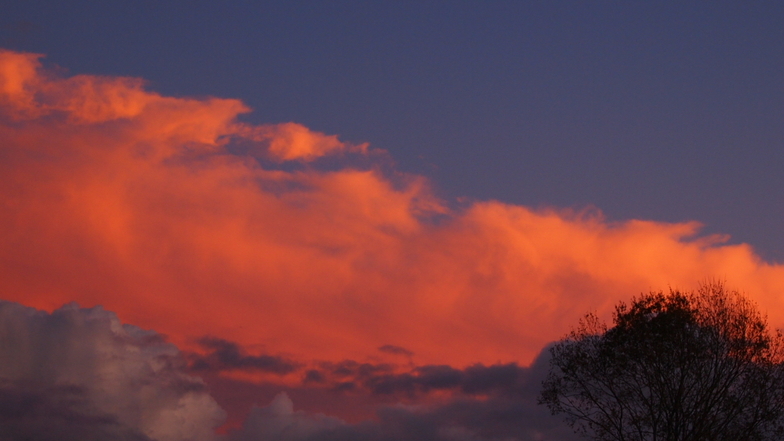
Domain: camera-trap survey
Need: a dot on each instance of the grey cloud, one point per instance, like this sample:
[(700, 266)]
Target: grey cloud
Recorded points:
[(228, 355), (63, 413), (314, 376), (473, 380), (279, 422), (396, 350), (510, 412), (460, 420), (381, 379), (81, 374)]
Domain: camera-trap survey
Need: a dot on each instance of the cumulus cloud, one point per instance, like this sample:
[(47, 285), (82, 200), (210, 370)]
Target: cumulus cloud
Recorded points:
[(79, 374), (180, 218)]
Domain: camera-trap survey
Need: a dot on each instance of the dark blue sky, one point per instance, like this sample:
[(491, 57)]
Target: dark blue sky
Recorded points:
[(655, 110)]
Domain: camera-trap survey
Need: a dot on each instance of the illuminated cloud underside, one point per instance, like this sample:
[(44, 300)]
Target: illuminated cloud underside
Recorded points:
[(179, 218)]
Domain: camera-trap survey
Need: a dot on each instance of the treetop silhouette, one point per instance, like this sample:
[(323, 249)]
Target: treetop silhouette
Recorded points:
[(677, 366)]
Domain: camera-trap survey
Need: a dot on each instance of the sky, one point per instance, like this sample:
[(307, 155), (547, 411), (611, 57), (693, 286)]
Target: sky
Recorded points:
[(352, 220)]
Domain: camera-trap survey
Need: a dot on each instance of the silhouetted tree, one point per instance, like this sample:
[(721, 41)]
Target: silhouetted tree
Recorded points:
[(682, 366)]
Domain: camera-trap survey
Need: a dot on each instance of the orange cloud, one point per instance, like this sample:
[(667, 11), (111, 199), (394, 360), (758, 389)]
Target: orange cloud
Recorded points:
[(114, 195), (290, 141)]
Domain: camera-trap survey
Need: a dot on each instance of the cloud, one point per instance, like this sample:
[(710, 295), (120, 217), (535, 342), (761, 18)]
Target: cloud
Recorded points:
[(182, 219), (279, 422), (290, 141), (507, 411), (395, 350), (473, 380), (79, 374), (63, 413), (226, 355), (416, 381)]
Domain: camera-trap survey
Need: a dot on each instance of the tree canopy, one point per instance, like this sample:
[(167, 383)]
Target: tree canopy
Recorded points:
[(676, 366)]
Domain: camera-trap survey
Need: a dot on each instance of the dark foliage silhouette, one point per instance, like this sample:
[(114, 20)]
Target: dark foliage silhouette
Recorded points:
[(680, 366)]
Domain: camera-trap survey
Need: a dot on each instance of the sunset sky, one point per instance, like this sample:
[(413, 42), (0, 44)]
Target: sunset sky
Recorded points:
[(363, 220)]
